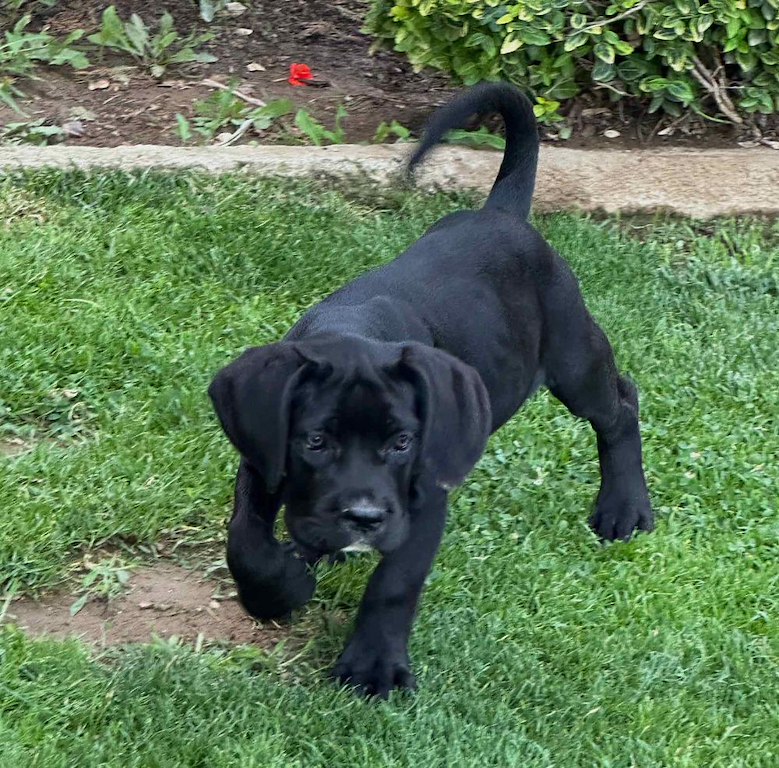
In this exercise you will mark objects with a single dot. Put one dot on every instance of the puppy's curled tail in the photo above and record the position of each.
(513, 187)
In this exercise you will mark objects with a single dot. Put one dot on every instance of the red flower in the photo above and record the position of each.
(300, 74)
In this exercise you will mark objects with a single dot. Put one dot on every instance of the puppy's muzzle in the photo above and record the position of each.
(364, 518)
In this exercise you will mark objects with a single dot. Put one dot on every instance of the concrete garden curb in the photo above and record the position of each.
(690, 182)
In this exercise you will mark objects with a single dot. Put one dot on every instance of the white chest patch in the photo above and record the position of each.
(358, 546)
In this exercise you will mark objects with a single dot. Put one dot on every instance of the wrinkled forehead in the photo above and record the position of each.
(380, 404)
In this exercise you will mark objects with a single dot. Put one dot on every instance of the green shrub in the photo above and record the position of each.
(717, 57)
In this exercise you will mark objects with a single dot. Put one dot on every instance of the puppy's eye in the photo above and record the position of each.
(402, 442)
(316, 441)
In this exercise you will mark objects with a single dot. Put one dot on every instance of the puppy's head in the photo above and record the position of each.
(346, 428)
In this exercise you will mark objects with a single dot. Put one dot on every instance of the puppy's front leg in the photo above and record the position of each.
(271, 580)
(375, 659)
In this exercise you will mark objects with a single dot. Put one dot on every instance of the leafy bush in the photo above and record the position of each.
(720, 56)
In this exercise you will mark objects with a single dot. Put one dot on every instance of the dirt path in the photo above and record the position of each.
(163, 600)
(697, 183)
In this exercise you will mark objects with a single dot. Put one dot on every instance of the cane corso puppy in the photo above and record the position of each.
(380, 400)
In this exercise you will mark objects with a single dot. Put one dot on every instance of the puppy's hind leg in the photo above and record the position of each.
(582, 374)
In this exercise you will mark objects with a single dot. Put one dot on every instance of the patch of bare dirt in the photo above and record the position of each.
(13, 446)
(163, 600)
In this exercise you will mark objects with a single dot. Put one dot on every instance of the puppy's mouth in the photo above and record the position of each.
(359, 545)
(314, 548)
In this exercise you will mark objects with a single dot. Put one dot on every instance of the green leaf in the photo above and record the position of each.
(309, 126)
(137, 34)
(184, 129)
(510, 44)
(207, 10)
(603, 72)
(385, 130)
(111, 29)
(604, 52)
(578, 20)
(277, 108)
(480, 138)
(681, 91)
(79, 604)
(534, 36)
(184, 56)
(757, 36)
(575, 41)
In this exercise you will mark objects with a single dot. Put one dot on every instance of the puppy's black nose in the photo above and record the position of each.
(364, 517)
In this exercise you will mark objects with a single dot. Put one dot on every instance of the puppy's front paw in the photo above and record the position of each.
(617, 515)
(274, 598)
(374, 668)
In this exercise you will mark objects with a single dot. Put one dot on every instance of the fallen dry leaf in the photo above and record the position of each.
(611, 133)
(255, 67)
(99, 85)
(235, 9)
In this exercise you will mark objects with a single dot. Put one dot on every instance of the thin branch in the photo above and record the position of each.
(233, 137)
(243, 96)
(608, 87)
(604, 22)
(717, 90)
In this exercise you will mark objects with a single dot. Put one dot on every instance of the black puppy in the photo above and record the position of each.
(381, 398)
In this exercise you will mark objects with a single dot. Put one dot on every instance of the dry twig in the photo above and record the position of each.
(604, 22)
(243, 96)
(717, 89)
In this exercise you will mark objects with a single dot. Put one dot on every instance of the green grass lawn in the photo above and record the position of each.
(121, 295)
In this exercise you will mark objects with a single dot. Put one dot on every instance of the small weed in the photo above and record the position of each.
(157, 51)
(316, 132)
(223, 111)
(546, 110)
(209, 9)
(22, 51)
(105, 580)
(385, 130)
(35, 132)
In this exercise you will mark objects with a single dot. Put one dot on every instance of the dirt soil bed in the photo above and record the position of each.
(163, 600)
(131, 107)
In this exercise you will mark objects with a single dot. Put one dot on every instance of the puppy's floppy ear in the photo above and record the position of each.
(455, 411)
(251, 397)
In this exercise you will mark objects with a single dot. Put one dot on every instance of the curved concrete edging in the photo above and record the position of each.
(697, 183)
